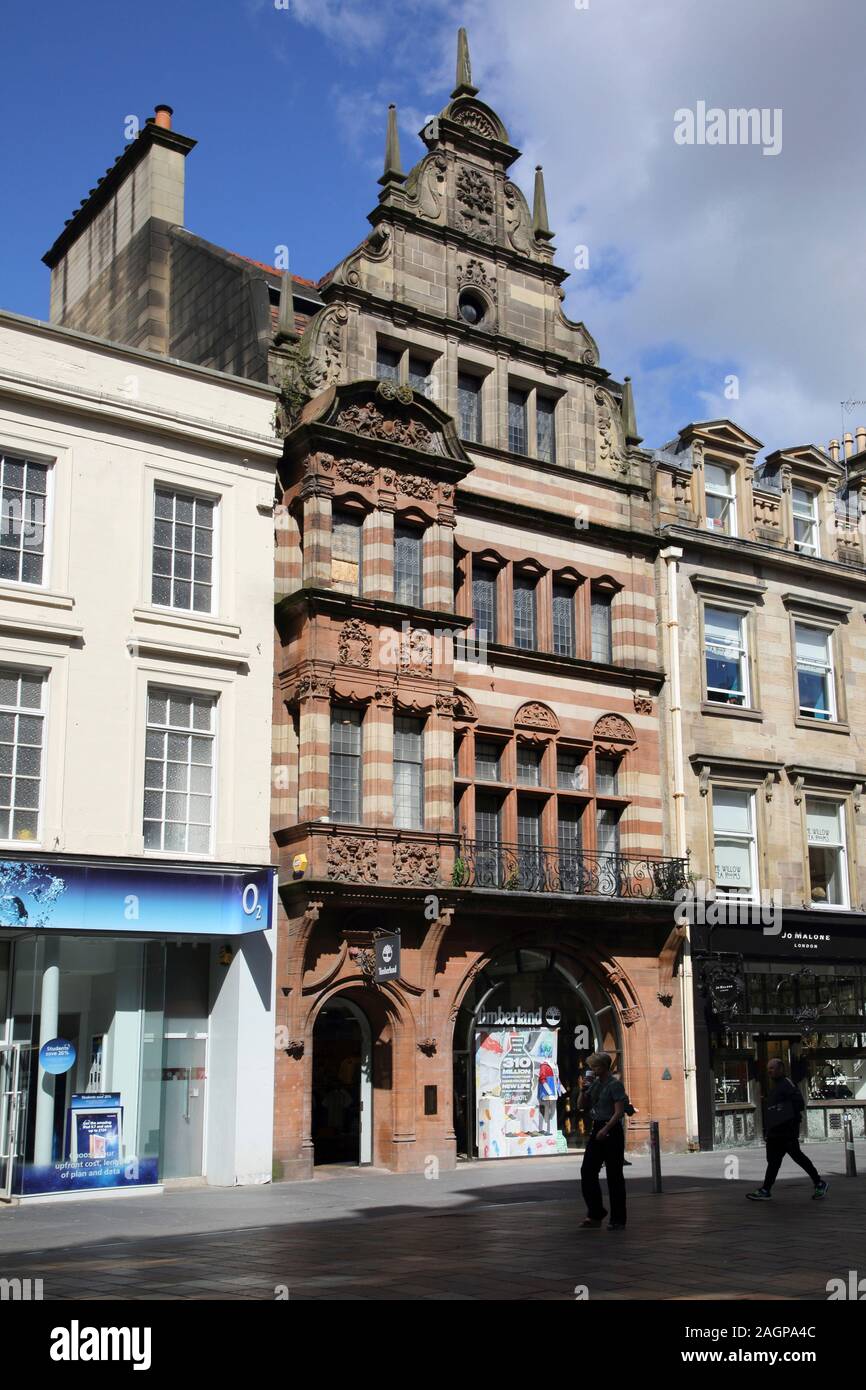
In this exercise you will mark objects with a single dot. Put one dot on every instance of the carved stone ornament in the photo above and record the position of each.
(517, 227)
(309, 687)
(446, 705)
(631, 1016)
(464, 707)
(589, 356)
(355, 644)
(682, 487)
(395, 391)
(350, 470)
(535, 715)
(427, 1046)
(610, 450)
(411, 485)
(475, 203)
(475, 273)
(416, 864)
(369, 421)
(474, 118)
(704, 780)
(643, 704)
(352, 860)
(431, 194)
(416, 652)
(326, 357)
(614, 728)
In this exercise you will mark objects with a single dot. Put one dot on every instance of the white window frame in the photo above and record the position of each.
(751, 840)
(829, 673)
(743, 649)
(730, 497)
(49, 463)
(9, 662)
(196, 494)
(841, 850)
(153, 682)
(812, 547)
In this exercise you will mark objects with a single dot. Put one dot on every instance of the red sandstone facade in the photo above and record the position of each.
(465, 579)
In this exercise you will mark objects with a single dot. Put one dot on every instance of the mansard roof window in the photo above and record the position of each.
(804, 504)
(721, 495)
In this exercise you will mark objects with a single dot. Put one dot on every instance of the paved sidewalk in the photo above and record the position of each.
(507, 1230)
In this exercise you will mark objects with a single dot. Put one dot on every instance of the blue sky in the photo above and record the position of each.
(704, 263)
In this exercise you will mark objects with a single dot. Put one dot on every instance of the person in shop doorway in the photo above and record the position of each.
(785, 1107)
(605, 1098)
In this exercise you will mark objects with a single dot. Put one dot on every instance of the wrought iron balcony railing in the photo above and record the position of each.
(481, 864)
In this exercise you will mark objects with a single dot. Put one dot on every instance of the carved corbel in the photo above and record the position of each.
(704, 779)
(798, 790)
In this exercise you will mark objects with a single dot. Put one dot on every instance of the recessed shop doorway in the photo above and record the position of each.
(342, 1100)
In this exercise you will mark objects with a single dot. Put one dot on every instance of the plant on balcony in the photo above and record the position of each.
(513, 879)
(459, 873)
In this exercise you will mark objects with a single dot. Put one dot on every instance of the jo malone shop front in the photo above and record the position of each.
(136, 1038)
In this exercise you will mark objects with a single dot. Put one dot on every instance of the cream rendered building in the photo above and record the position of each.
(136, 571)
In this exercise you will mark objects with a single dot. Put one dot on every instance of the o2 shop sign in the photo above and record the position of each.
(251, 902)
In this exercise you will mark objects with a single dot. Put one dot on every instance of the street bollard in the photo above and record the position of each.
(850, 1156)
(656, 1155)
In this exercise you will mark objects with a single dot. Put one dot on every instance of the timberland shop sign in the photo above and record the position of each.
(387, 958)
(520, 1018)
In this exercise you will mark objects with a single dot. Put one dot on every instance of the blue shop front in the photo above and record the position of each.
(134, 998)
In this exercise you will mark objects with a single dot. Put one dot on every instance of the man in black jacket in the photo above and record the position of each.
(784, 1111)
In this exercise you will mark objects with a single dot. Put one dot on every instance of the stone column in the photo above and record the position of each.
(378, 760)
(314, 750)
(316, 495)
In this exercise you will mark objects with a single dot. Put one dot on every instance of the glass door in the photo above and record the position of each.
(184, 1083)
(10, 1108)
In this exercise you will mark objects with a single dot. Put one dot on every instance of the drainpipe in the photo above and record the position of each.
(671, 556)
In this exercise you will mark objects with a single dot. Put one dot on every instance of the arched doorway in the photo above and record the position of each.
(342, 1095)
(521, 1040)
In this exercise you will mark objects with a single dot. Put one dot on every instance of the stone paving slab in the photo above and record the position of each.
(509, 1231)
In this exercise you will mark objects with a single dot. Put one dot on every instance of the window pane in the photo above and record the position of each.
(407, 565)
(606, 776)
(545, 415)
(387, 364)
(484, 603)
(178, 772)
(570, 774)
(524, 612)
(602, 629)
(23, 519)
(724, 643)
(408, 773)
(21, 739)
(182, 549)
(528, 765)
(517, 421)
(346, 552)
(563, 620)
(607, 831)
(420, 378)
(345, 769)
(487, 761)
(732, 810)
(469, 400)
(814, 672)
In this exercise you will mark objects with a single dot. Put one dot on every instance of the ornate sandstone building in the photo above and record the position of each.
(466, 709)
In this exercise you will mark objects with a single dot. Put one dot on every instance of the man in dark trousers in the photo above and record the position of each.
(606, 1099)
(784, 1111)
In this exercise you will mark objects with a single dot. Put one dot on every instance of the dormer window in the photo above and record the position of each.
(721, 495)
(805, 508)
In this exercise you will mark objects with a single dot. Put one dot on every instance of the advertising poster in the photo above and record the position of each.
(517, 1087)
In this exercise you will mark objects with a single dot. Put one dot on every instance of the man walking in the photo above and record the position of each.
(606, 1099)
(784, 1111)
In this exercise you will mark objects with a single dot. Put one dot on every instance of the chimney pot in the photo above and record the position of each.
(834, 450)
(848, 443)
(162, 116)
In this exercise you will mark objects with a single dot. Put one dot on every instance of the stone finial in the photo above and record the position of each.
(286, 311)
(629, 419)
(464, 86)
(540, 224)
(392, 173)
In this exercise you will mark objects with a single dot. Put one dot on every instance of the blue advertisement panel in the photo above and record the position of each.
(38, 895)
(86, 1174)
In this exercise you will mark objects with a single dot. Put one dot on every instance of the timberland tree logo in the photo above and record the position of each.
(736, 126)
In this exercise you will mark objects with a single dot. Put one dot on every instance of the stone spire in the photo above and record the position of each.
(629, 420)
(540, 224)
(464, 86)
(286, 312)
(392, 172)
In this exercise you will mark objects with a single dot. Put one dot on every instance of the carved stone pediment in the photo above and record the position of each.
(613, 728)
(535, 715)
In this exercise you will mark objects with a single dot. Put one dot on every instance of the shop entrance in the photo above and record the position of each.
(341, 1123)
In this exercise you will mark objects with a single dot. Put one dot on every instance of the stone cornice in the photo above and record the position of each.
(694, 538)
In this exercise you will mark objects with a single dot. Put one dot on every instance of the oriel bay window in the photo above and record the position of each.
(816, 693)
(408, 541)
(828, 858)
(735, 842)
(408, 773)
(726, 657)
(344, 783)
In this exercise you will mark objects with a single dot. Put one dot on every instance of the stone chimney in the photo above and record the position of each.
(110, 265)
